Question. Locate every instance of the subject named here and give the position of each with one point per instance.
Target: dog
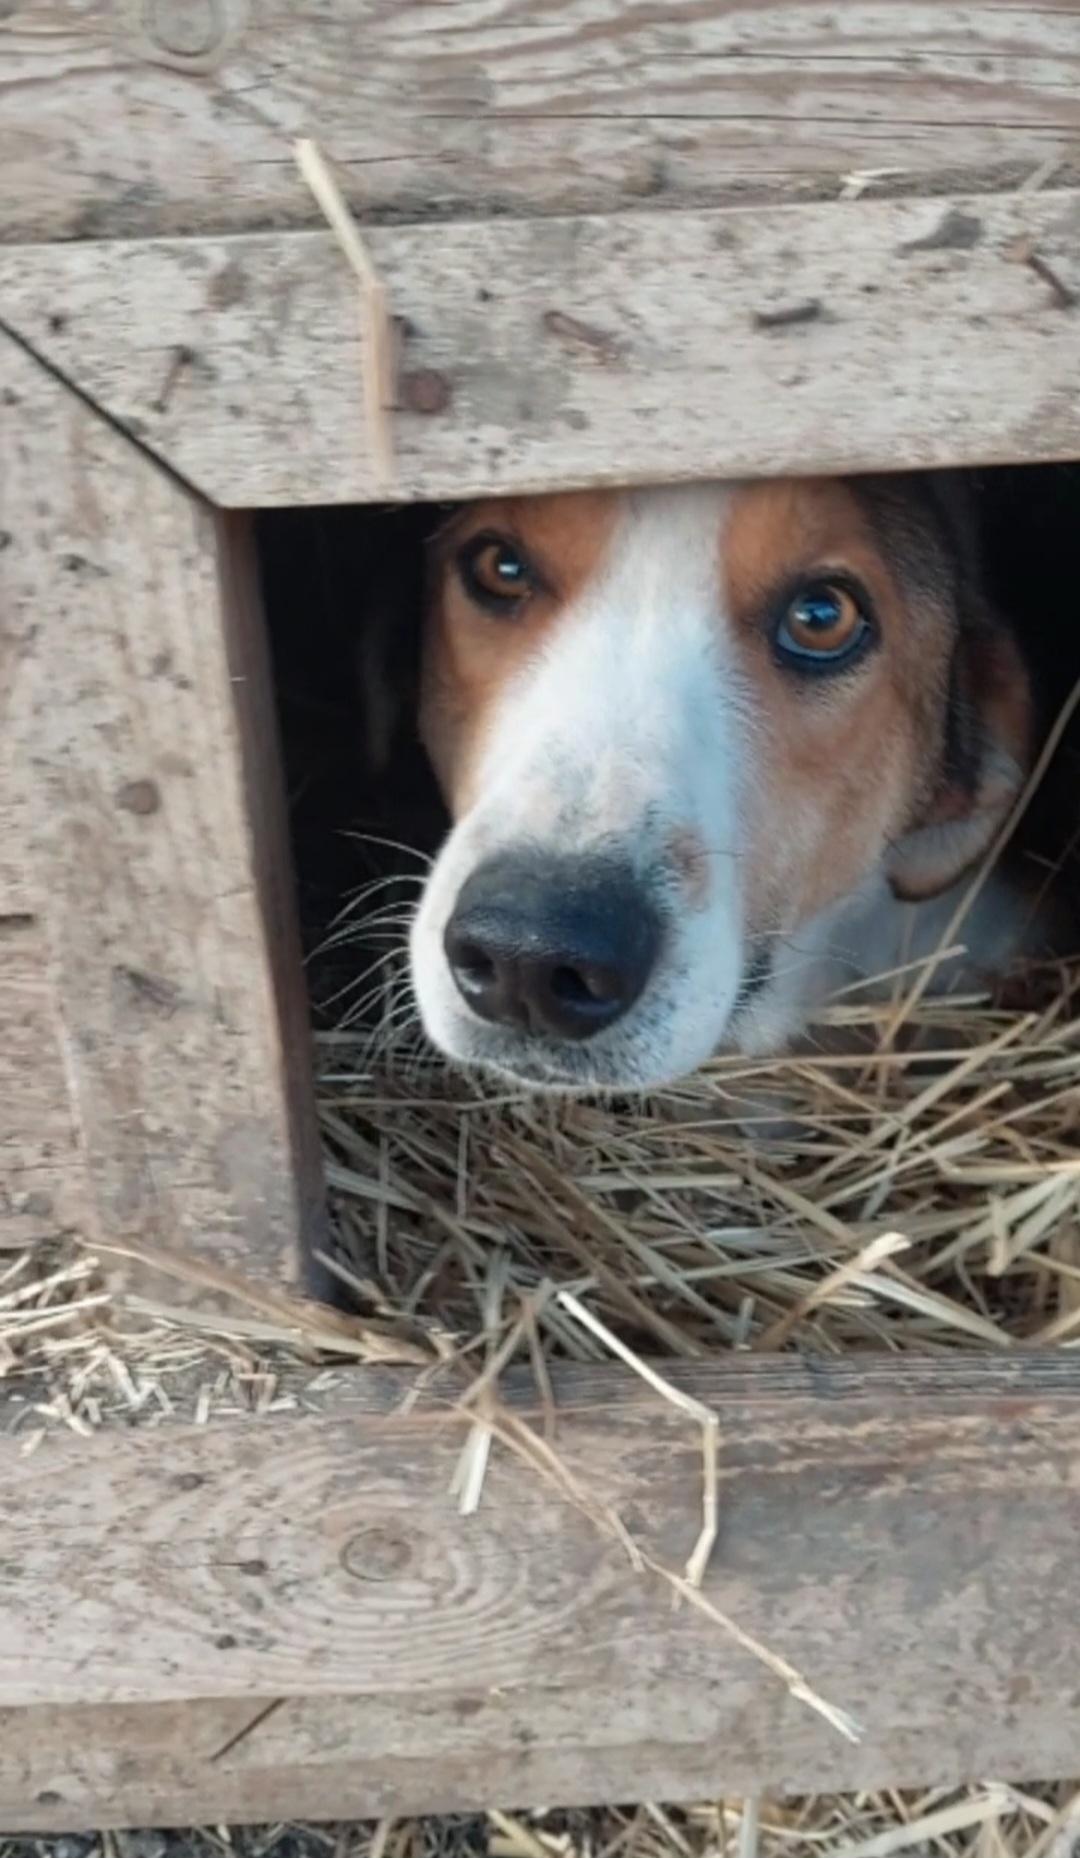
(709, 751)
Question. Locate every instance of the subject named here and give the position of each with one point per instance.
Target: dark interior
(343, 592)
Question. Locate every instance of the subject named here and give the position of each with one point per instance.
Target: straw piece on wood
(290, 1320)
(699, 1555)
(696, 1409)
(375, 321)
(521, 1438)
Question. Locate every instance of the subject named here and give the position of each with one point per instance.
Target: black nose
(552, 945)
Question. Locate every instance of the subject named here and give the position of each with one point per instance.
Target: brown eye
(495, 573)
(823, 625)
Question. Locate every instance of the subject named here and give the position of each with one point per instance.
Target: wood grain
(41, 1174)
(842, 337)
(125, 119)
(905, 1533)
(41, 1168)
(142, 847)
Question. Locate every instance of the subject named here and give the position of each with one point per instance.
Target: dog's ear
(989, 710)
(987, 748)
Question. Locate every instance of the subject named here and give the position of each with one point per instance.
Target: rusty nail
(143, 797)
(788, 316)
(425, 390)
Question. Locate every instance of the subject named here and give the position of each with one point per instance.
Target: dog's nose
(549, 945)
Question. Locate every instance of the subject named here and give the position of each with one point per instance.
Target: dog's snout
(556, 947)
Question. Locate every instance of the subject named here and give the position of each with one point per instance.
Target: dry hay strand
(918, 1192)
(989, 1820)
(78, 1351)
(907, 1183)
(877, 1191)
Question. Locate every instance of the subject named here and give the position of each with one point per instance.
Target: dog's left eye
(495, 573)
(824, 625)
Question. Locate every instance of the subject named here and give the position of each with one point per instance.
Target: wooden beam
(903, 1532)
(42, 1182)
(139, 758)
(164, 118)
(41, 1171)
(845, 337)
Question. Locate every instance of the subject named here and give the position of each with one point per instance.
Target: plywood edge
(839, 336)
(286, 1614)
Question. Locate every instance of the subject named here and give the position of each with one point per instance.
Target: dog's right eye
(495, 573)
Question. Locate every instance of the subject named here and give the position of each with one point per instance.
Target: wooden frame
(530, 361)
(143, 910)
(129, 120)
(284, 1615)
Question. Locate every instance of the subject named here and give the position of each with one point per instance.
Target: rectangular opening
(905, 1183)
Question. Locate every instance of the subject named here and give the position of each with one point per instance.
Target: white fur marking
(628, 726)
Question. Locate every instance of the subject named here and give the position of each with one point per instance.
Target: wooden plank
(41, 1173)
(346, 1758)
(140, 119)
(142, 846)
(41, 1169)
(841, 337)
(905, 1533)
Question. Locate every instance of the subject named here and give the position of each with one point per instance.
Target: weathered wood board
(176, 115)
(41, 1167)
(841, 337)
(144, 966)
(285, 1615)
(41, 1174)
(904, 1533)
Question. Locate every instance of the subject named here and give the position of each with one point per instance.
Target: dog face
(679, 732)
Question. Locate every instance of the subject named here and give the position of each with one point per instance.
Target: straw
(376, 326)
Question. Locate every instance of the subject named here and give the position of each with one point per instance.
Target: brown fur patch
(843, 757)
(957, 827)
(470, 653)
(842, 769)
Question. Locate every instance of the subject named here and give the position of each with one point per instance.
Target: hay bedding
(991, 1821)
(919, 1191)
(914, 1204)
(919, 1202)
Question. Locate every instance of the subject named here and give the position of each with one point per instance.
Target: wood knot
(190, 34)
(376, 1554)
(36, 1205)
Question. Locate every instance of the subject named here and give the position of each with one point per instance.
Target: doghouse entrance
(909, 1205)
